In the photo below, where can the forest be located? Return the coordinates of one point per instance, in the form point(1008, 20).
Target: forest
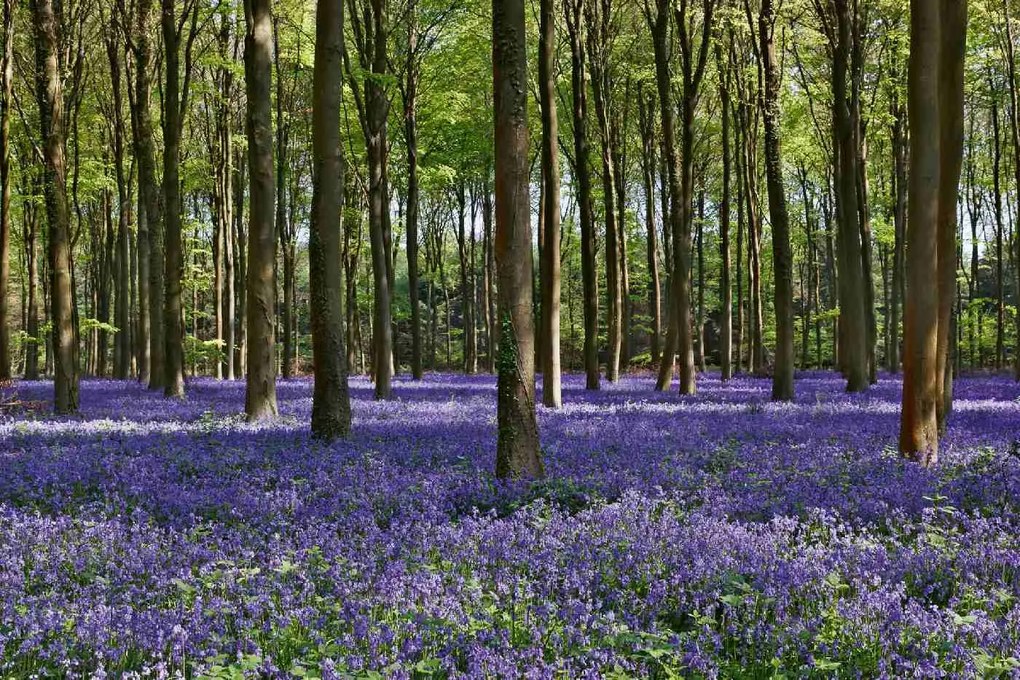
point(533, 338)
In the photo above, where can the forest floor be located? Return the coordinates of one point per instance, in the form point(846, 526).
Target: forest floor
point(710, 536)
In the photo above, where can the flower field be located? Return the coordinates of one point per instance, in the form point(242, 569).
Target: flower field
point(716, 536)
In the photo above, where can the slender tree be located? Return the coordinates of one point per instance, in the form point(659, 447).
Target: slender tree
point(582, 183)
point(260, 393)
point(331, 406)
point(517, 450)
point(6, 104)
point(782, 254)
point(550, 264)
point(50, 95)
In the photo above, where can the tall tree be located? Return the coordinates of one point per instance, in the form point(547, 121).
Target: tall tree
point(601, 33)
point(370, 23)
point(331, 406)
point(646, 104)
point(175, 103)
point(260, 393)
point(725, 289)
point(838, 24)
point(935, 102)
point(150, 220)
point(6, 104)
point(46, 22)
point(782, 255)
point(582, 183)
point(550, 264)
point(122, 353)
point(517, 450)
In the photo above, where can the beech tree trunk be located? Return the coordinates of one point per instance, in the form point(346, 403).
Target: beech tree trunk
point(648, 165)
point(782, 255)
point(122, 349)
point(549, 268)
point(6, 102)
point(150, 241)
point(260, 392)
point(331, 406)
point(853, 325)
point(935, 100)
point(517, 449)
point(725, 288)
point(582, 182)
point(410, 93)
point(173, 122)
point(49, 91)
point(284, 228)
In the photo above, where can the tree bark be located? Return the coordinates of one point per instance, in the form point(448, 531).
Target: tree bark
point(517, 450)
point(951, 86)
point(260, 392)
point(725, 288)
point(582, 181)
point(284, 229)
point(173, 121)
point(935, 94)
point(122, 353)
point(550, 260)
point(782, 255)
point(46, 21)
point(648, 165)
point(331, 406)
point(410, 92)
point(6, 102)
point(853, 327)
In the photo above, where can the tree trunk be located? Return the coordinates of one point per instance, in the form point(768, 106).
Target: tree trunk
point(6, 102)
point(853, 327)
point(782, 255)
point(550, 261)
point(173, 367)
point(899, 200)
point(582, 181)
point(935, 92)
point(260, 392)
point(597, 17)
point(951, 85)
point(648, 164)
point(331, 406)
point(122, 353)
point(51, 119)
point(150, 240)
point(31, 239)
point(411, 142)
point(517, 448)
point(725, 289)
point(283, 226)
point(1000, 302)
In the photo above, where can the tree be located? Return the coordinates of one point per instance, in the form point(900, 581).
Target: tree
point(6, 104)
point(782, 255)
point(680, 173)
point(371, 29)
point(517, 451)
point(935, 106)
point(582, 182)
point(331, 406)
point(726, 290)
point(550, 264)
point(49, 91)
point(260, 393)
point(175, 103)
